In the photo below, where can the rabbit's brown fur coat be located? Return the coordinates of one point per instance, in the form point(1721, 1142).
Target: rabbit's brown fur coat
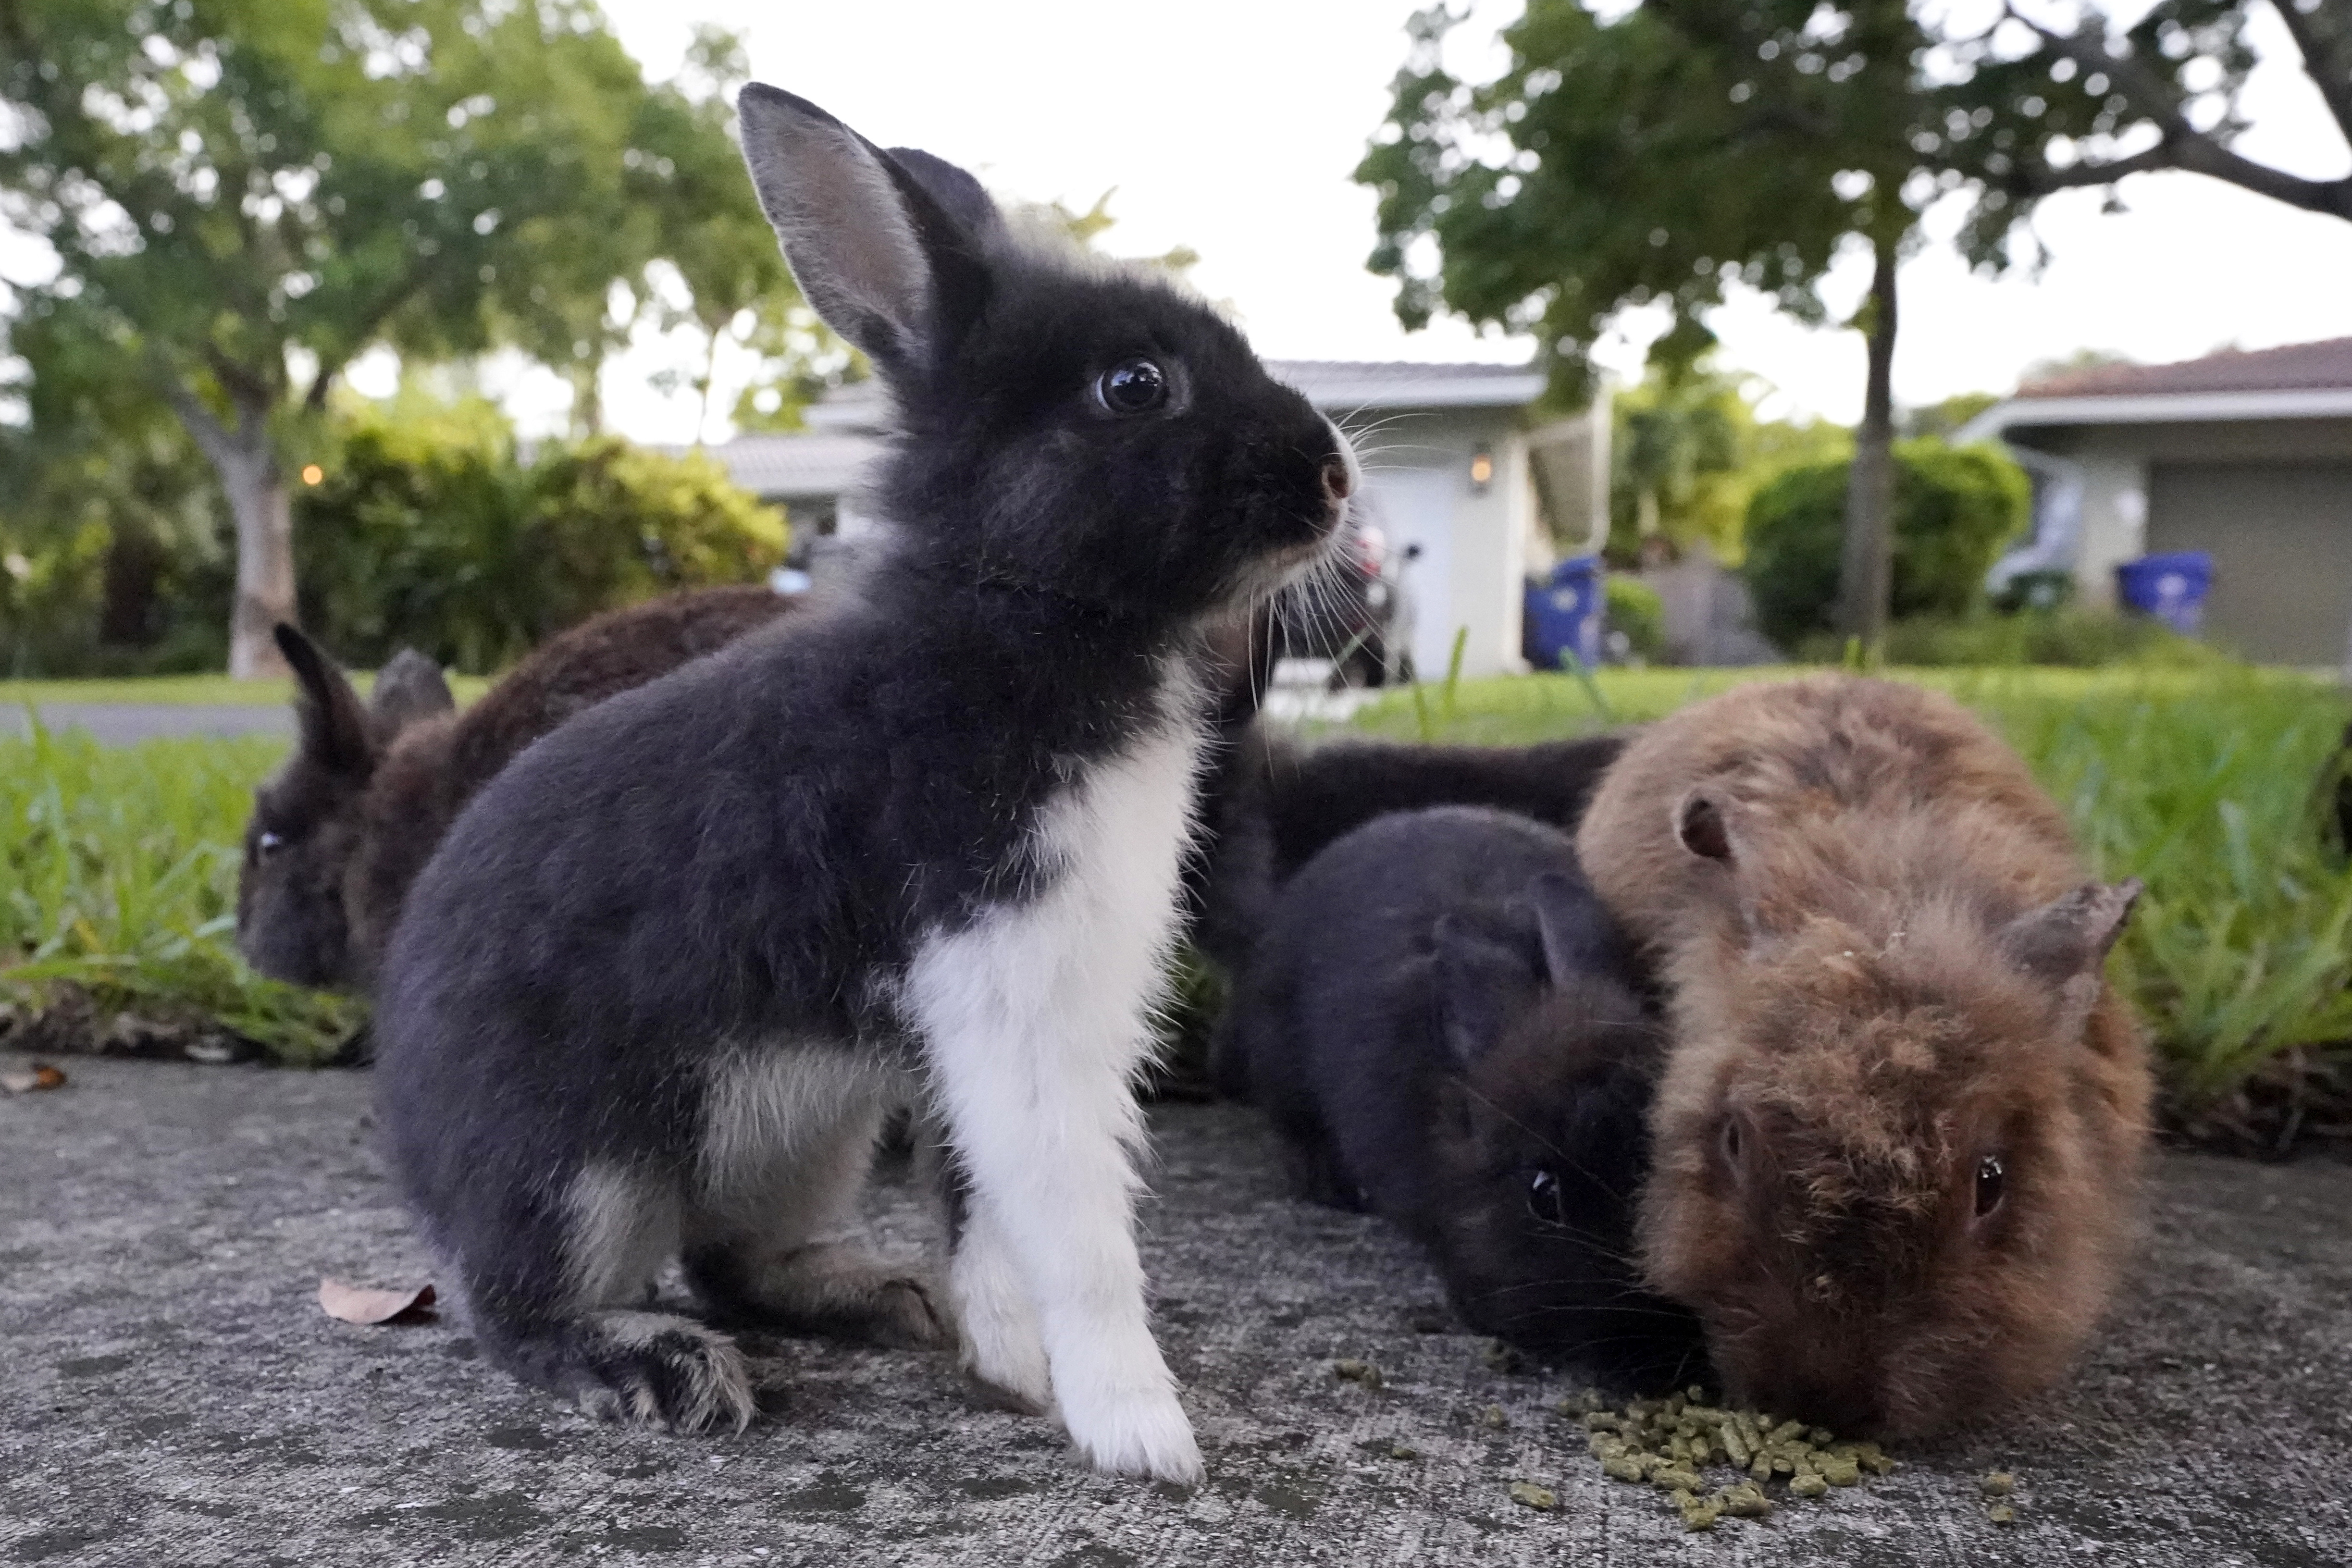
point(1854, 1030)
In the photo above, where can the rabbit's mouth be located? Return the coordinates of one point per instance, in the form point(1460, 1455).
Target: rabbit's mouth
point(1340, 478)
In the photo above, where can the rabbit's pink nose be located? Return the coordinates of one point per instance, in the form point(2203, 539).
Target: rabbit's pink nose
point(1336, 483)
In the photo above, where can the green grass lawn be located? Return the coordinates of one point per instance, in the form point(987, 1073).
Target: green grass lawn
point(2203, 784)
point(121, 864)
point(118, 875)
point(191, 691)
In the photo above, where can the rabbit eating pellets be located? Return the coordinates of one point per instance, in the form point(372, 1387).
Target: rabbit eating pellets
point(667, 973)
point(1449, 1030)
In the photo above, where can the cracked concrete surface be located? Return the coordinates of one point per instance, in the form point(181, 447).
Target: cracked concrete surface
point(169, 1393)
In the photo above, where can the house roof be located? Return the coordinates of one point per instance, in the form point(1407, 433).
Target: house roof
point(844, 427)
point(2294, 367)
point(1336, 386)
point(803, 462)
point(2298, 381)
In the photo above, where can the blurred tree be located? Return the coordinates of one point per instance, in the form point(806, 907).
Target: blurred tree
point(1954, 509)
point(1682, 441)
point(242, 197)
point(687, 179)
point(1656, 153)
point(96, 469)
point(428, 529)
point(1943, 420)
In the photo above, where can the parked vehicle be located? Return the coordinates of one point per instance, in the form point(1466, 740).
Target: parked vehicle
point(1360, 617)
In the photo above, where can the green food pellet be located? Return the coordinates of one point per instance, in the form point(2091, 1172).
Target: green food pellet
point(1999, 1483)
point(1399, 1451)
point(1493, 1417)
point(1761, 1469)
point(1840, 1472)
point(1807, 1484)
point(1674, 1478)
point(1821, 1437)
point(1786, 1432)
point(1747, 1500)
point(1353, 1371)
point(1701, 1515)
point(1529, 1495)
point(1695, 1394)
point(1622, 1468)
point(2001, 1513)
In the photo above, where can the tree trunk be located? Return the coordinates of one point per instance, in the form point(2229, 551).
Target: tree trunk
point(257, 499)
point(587, 398)
point(1866, 573)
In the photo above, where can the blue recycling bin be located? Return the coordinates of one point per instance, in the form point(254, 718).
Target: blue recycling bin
point(1564, 614)
point(2171, 587)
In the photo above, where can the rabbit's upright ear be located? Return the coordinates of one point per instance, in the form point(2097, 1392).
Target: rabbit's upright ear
point(887, 263)
point(408, 688)
point(1579, 937)
point(332, 725)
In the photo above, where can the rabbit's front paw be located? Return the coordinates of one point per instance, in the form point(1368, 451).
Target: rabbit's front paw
point(1136, 1432)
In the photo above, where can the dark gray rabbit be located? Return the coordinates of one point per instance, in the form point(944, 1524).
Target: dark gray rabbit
point(1449, 1030)
point(667, 971)
point(339, 832)
point(1274, 805)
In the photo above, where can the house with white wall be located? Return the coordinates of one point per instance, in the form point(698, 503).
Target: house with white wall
point(2246, 455)
point(1450, 465)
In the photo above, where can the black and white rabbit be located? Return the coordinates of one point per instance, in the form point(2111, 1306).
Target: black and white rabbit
point(665, 973)
point(1449, 1030)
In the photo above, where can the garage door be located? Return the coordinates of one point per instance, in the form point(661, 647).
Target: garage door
point(2280, 537)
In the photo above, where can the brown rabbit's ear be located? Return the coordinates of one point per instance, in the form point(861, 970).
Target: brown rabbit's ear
point(408, 688)
point(332, 727)
point(2070, 935)
point(1700, 825)
point(2064, 943)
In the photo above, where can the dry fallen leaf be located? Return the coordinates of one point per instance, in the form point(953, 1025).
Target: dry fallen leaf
point(357, 1304)
point(39, 1076)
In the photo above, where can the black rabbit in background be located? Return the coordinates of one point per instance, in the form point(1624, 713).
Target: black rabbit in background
point(1272, 805)
point(671, 967)
point(1448, 1030)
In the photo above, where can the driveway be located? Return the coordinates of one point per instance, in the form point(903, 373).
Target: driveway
point(171, 1394)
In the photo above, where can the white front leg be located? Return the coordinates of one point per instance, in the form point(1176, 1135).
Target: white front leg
point(1035, 1019)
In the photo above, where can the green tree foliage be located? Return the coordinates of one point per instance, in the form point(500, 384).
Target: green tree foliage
point(427, 531)
point(1687, 454)
point(243, 197)
point(1955, 508)
point(113, 518)
point(737, 291)
point(1654, 155)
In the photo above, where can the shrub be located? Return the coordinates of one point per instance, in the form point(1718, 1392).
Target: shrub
point(2078, 639)
point(428, 532)
point(1635, 609)
point(1954, 509)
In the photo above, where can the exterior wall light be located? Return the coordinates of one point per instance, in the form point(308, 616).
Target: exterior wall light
point(1482, 469)
point(313, 474)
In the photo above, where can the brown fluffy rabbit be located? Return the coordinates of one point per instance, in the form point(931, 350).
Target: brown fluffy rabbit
point(1902, 1114)
point(345, 827)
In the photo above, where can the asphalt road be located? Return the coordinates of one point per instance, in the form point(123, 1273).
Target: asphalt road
point(169, 1393)
point(124, 723)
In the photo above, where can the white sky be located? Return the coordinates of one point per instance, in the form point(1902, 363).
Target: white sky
point(1232, 126)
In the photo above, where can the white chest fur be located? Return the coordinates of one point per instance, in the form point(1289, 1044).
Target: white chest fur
point(1034, 1019)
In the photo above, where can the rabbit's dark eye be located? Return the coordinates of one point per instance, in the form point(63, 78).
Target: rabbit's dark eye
point(1544, 1199)
point(1139, 386)
point(266, 844)
point(1731, 1142)
point(1990, 1180)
